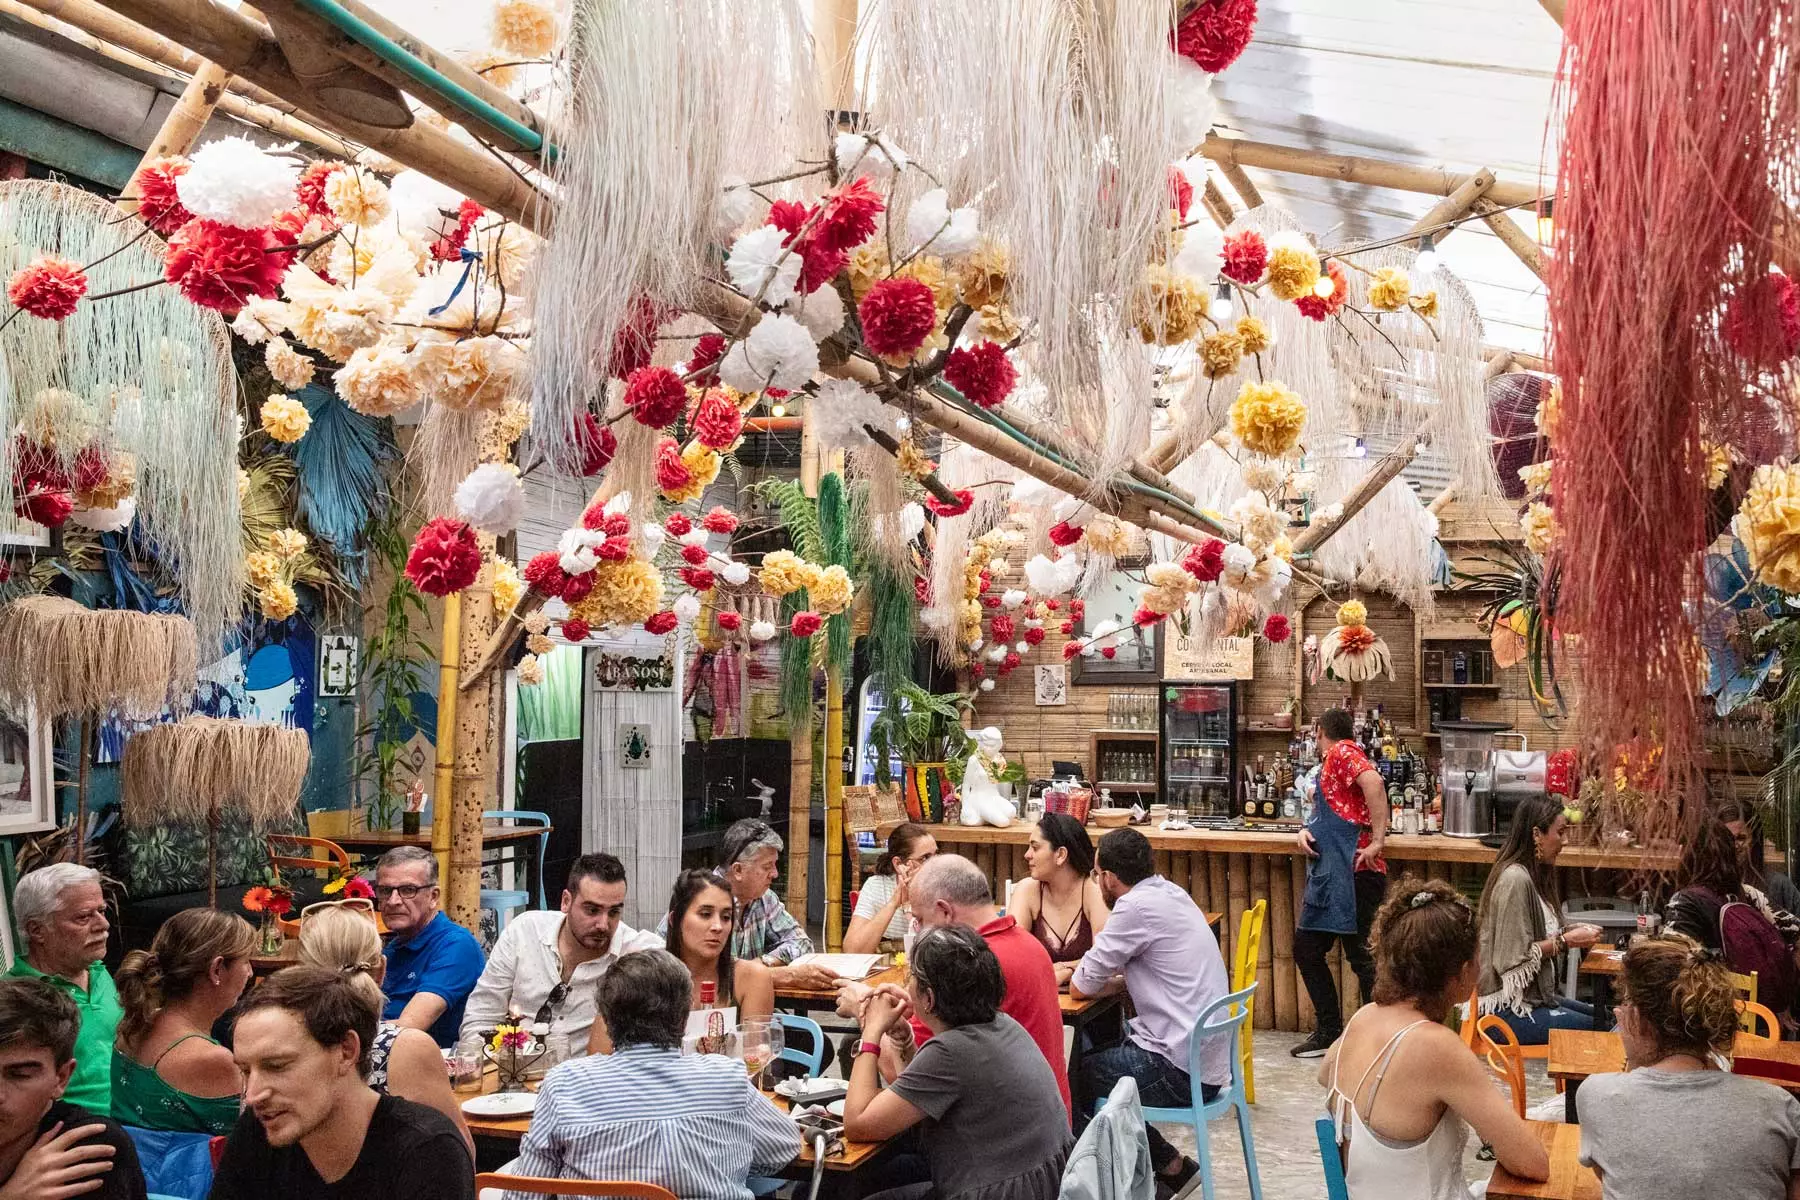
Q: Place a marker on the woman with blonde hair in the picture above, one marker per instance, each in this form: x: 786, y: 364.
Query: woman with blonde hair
x: 402, y: 1062
x: 167, y: 1072
x: 1675, y: 1123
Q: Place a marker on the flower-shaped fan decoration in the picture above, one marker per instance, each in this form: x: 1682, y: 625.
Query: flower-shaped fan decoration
x: 1352, y: 652
x: 1737, y: 611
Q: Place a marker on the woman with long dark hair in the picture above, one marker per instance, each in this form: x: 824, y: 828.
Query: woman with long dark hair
x: 1061, y: 902
x: 883, y: 914
x: 1522, y: 935
x: 1713, y: 873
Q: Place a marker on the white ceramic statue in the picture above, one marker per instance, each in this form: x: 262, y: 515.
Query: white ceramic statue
x: 982, y: 803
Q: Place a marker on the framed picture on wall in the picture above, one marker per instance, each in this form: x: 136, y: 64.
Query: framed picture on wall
x: 27, y: 774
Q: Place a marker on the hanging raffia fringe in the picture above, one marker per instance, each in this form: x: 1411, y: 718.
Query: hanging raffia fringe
x: 188, y: 770
x: 69, y: 660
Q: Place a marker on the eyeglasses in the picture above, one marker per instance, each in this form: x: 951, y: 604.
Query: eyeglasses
x: 547, y: 1011
x: 406, y: 891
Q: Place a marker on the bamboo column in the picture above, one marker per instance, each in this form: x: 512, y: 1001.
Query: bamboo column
x: 183, y: 124
x: 1264, y: 1017
x: 800, y: 741
x: 1305, y: 1020
x: 835, y: 847
x: 1456, y: 204
x: 1508, y: 231
x: 475, y: 746
x: 444, y: 774
x: 1237, y: 875
x: 1281, y: 939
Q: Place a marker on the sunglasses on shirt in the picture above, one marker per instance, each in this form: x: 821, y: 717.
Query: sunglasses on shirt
x: 553, y: 1003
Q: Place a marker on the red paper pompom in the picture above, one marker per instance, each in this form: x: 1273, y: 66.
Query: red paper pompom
x: 849, y: 217
x: 806, y: 622
x: 671, y: 473
x: 159, y: 206
x: 990, y: 602
x: 616, y: 524
x: 5, y: 570
x: 616, y: 548
x: 1034, y: 636
x: 1205, y: 562
x: 1011, y: 661
x: 977, y: 670
x: 1181, y: 192
x: 576, y: 587
x: 698, y: 578
x: 575, y: 629
x: 1319, y: 308
x: 717, y: 421
x: 897, y: 316
x: 1145, y: 617
x: 1070, y: 650
x: 544, y: 574
x: 1064, y: 534
x: 445, y: 558
x: 985, y: 580
x: 1276, y: 628
x: 694, y: 556
x: 921, y: 589
x: 965, y: 500
x: 1215, y: 33
x: 1002, y: 628
x: 1053, y: 604
x: 984, y: 373
x: 593, y: 516
x: 45, y: 506
x: 1078, y: 608
x: 597, y: 443
x: 634, y: 343
x: 660, y: 623
x: 655, y: 396
x: 789, y: 216
x: 221, y: 266
x: 90, y: 469
x: 1066, y: 628
x: 448, y: 248
x: 1244, y: 257
x: 310, y: 191
x: 678, y: 523
x: 48, y: 287
x: 719, y: 519
x: 703, y: 362
x: 729, y: 620
x: 1109, y: 652
x: 819, y: 262
x: 1762, y: 322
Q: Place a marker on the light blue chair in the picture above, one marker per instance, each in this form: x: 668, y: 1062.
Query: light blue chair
x: 1331, y: 1158
x: 814, y: 1062
x: 175, y: 1165
x: 504, y: 900
x: 1223, y: 1018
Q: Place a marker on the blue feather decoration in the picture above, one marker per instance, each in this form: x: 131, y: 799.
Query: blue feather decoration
x: 342, y: 488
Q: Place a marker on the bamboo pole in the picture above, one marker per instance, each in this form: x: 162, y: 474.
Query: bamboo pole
x: 82, y: 771
x: 1385, y: 470
x: 1263, y: 1016
x: 1200, y: 881
x: 1281, y: 937
x: 1508, y: 231
x: 1216, y: 204
x: 1305, y: 1020
x: 347, y: 89
x: 444, y: 775
x: 1181, y: 868
x: 182, y: 124
x: 1237, y: 876
x: 1443, y: 499
x: 800, y: 728
x: 1496, y: 364
x: 1557, y: 9
x: 1242, y: 184
x: 1218, y: 889
x: 1350, y: 168
x: 475, y: 741
x: 1161, y: 863
x: 834, y: 36
x: 1456, y: 205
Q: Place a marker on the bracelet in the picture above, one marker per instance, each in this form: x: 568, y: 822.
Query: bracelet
x: 869, y: 1048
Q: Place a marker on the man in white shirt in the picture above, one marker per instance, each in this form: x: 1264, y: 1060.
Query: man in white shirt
x: 545, y: 965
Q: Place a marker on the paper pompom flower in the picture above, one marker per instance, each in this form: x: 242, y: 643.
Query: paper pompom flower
x: 701, y: 467
x: 1220, y: 353
x: 285, y: 419
x: 286, y: 544
x: 236, y: 182
x: 1267, y: 418
x: 544, y: 574
x: 260, y: 567
x: 1001, y: 628
x: 310, y: 191
x: 1539, y: 526
x: 491, y: 498
x: 1768, y: 523
x: 48, y: 287
x: 378, y: 381
x: 277, y: 601
x: 849, y: 216
x: 1762, y: 321
x: 805, y: 623
x: 1205, y: 562
x: 509, y: 589
x: 525, y: 28
x: 719, y: 520
x: 672, y: 474
x: 1276, y: 628
x: 530, y: 670
x: 708, y: 350
x: 597, y: 443
x: 783, y: 572
x: 356, y: 197
x: 694, y: 556
x: 655, y: 396
x: 1390, y: 289
x: 1109, y: 652
x: 660, y: 623
x: 1353, y: 612
x: 1253, y: 335
x: 760, y: 265
x: 677, y: 523
x: 1293, y: 266
x: 445, y: 557
x: 779, y: 353
x: 1318, y: 308
x: 1064, y: 534
x: 984, y: 374
x: 897, y: 316
x: 290, y: 368
x: 574, y: 629
x: 698, y: 578
x: 717, y: 421
x: 634, y: 342
x: 1167, y: 306
x: 221, y: 266
x: 728, y: 620
x: 1181, y: 192
x: 831, y: 590
x: 1245, y: 257
x: 949, y: 232
x: 158, y: 203
x: 1215, y: 33
x: 965, y: 500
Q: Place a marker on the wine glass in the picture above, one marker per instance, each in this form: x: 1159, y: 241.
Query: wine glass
x: 759, y: 1044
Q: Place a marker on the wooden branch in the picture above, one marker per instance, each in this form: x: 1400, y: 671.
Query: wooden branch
x: 1242, y: 184
x: 1216, y: 204
x: 1443, y: 499
x: 346, y: 89
x: 1349, y: 168
x: 182, y: 124
x: 1456, y: 204
x: 929, y: 481
x: 1508, y: 231
x: 1383, y: 472
x: 1497, y: 364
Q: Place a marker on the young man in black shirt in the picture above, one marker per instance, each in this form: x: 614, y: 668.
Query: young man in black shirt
x: 49, y: 1148
x: 311, y: 1128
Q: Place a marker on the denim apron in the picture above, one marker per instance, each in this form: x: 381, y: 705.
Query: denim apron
x: 1329, y: 905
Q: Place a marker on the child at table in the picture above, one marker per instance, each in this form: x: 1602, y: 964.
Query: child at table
x: 1674, y: 1125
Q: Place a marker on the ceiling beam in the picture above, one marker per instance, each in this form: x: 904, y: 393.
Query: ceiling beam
x: 1242, y: 184
x: 1216, y: 204
x: 1508, y: 231
x: 1455, y: 206
x: 1380, y: 475
x: 1557, y: 9
x: 1373, y: 172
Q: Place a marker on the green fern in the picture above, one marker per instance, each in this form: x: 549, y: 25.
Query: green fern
x: 834, y: 524
x: 799, y: 516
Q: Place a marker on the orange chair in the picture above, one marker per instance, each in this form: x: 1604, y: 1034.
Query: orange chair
x: 1754, y: 1019
x: 573, y: 1187
x: 286, y: 851
x: 1504, y: 1055
x: 1470, y: 1039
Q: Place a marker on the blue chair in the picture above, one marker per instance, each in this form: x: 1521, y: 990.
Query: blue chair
x: 1331, y: 1158
x: 504, y: 900
x: 814, y: 1062
x: 176, y: 1165
x: 1224, y: 1018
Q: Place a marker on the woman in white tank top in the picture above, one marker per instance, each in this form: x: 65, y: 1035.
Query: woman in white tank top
x: 1405, y: 1141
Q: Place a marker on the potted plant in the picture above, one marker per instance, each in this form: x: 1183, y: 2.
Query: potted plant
x: 926, y: 729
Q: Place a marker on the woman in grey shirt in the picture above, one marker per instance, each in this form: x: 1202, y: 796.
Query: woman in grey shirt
x: 1674, y: 1126
x: 990, y: 1115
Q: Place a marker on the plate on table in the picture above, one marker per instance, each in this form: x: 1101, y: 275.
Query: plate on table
x: 836, y: 1109
x: 501, y: 1104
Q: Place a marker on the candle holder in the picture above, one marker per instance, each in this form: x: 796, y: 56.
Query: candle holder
x: 513, y: 1051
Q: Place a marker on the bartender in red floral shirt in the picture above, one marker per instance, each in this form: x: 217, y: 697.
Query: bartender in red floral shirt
x: 1346, y: 879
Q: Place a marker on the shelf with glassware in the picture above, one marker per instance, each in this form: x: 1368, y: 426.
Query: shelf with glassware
x: 1124, y: 760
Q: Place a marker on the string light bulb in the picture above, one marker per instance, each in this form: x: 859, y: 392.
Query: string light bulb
x: 778, y: 409
x: 1428, y: 261
x: 1220, y: 309
x: 1326, y: 284
x: 1360, y: 449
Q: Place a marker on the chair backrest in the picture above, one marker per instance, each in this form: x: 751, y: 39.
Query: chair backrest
x: 1744, y: 986
x: 287, y: 851
x: 572, y: 1187
x: 813, y: 1061
x: 1758, y: 1020
x: 1249, y: 945
x: 1224, y: 1017
x: 1500, y: 1046
x: 1470, y: 1037
x: 519, y: 816
x: 175, y: 1164
x: 1097, y: 1165
x: 1331, y: 1159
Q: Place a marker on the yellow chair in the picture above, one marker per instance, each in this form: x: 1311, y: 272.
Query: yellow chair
x: 1744, y: 986
x: 1758, y: 1020
x: 1243, y: 974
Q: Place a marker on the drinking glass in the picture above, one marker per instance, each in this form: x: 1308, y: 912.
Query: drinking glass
x: 466, y: 1063
x: 759, y: 1042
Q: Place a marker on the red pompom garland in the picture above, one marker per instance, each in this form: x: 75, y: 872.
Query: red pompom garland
x: 445, y: 558
x: 849, y: 217
x: 702, y: 367
x: 311, y: 189
x: 717, y: 422
x: 221, y: 266
x: 544, y: 574
x: 671, y: 473
x: 1064, y: 534
x: 805, y: 623
x: 1276, y: 628
x: 1245, y: 257
x: 984, y: 373
x: 597, y: 443
x: 158, y: 204
x: 965, y: 500
x: 694, y: 556
x: 660, y: 623
x: 897, y: 316
x: 1215, y: 33
x: 655, y: 396
x: 48, y: 287
x: 698, y: 578
x: 729, y: 620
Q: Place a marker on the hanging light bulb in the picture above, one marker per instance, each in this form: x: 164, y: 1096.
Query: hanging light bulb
x: 1360, y: 449
x: 1326, y: 284
x: 1220, y: 309
x: 778, y: 409
x: 1546, y: 226
x: 1427, y: 263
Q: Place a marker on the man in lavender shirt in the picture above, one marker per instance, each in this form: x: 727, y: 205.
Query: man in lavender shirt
x: 1156, y: 946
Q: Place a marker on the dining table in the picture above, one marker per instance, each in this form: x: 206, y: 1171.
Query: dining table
x: 1569, y: 1180
x: 1575, y: 1054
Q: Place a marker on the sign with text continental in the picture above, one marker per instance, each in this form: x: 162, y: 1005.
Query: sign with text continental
x: 1193, y: 658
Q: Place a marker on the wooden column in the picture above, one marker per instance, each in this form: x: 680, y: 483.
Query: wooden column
x: 449, y: 694
x: 1281, y: 938
x: 476, y: 744
x: 800, y: 755
x: 1241, y: 184
x: 1508, y: 231
x: 1305, y: 1020
x: 1456, y: 204
x: 1265, y: 951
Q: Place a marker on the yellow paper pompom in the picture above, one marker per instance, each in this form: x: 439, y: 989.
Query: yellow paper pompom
x: 912, y: 461
x: 1293, y: 266
x: 1390, y: 289
x: 999, y: 323
x: 1220, y: 353
x: 982, y: 278
x: 1768, y: 523
x: 1353, y: 612
x: 703, y: 468
x: 1106, y: 535
x: 1536, y: 476
x: 356, y: 197
x: 1282, y: 548
x: 830, y: 591
x: 1167, y: 307
x: 525, y: 28
x: 261, y: 568
x: 1718, y: 465
x: 1425, y: 304
x: 1170, y: 577
x: 782, y: 572
x: 868, y: 264
x: 286, y: 543
x: 1254, y: 335
x: 929, y: 270
x: 1545, y: 416
x: 1267, y: 418
x: 277, y: 601
x: 285, y: 419
x: 509, y: 588
x: 624, y: 593
x: 1539, y: 524
x: 1162, y: 601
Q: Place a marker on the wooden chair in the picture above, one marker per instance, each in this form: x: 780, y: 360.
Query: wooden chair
x: 1471, y: 1038
x: 1754, y: 1019
x: 573, y: 1187
x: 1744, y: 986
x: 1243, y: 975
x: 1502, y: 1051
x: 288, y: 851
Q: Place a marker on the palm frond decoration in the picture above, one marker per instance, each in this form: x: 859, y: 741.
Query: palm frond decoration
x: 268, y: 507
x: 342, y: 487
x: 1525, y: 591
x: 834, y: 526
x: 799, y: 516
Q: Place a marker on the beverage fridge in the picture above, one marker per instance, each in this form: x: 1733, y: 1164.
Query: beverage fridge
x: 1199, y: 749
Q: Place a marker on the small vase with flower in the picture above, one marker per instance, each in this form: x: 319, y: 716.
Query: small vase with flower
x: 272, y: 902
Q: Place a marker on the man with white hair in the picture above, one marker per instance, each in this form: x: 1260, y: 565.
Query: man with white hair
x: 62, y: 913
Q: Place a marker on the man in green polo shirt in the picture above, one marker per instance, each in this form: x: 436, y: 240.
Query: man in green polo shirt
x: 62, y: 913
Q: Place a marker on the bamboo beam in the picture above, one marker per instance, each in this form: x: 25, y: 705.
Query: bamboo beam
x: 834, y: 35
x: 1497, y: 364
x: 1386, y: 469
x: 1456, y: 205
x: 1557, y: 9
x: 476, y: 740
x: 1350, y: 168
x: 1437, y: 506
x: 1509, y: 232
x: 1242, y: 184
x: 182, y: 124
x: 444, y: 770
x: 1217, y: 204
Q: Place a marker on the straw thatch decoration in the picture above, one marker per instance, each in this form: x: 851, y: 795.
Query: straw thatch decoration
x: 191, y: 770
x: 146, y: 374
x: 75, y: 661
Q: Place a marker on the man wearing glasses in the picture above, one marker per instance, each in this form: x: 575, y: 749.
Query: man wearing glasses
x: 546, y: 965
x: 432, y: 962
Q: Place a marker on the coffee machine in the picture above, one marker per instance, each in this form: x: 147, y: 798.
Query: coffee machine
x: 1518, y: 775
x: 1467, y: 778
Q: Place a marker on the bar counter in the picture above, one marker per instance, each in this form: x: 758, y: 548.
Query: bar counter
x: 1229, y: 870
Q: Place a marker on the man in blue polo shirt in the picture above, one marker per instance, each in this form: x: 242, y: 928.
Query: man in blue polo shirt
x: 432, y: 962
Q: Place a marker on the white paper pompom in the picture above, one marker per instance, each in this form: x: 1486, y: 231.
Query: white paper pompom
x: 949, y: 233
x: 1239, y: 558
x: 1088, y: 649
x: 620, y: 503
x: 653, y: 535
x: 1187, y: 94
x: 421, y: 204
x: 987, y: 685
x: 821, y: 311
x: 1023, y: 647
x: 236, y: 182
x: 491, y: 498
x: 1012, y: 598
x: 736, y: 204
x: 736, y: 574
x: 695, y: 537
x: 761, y: 631
x: 842, y: 408
x: 778, y: 353
x: 686, y: 608
x: 1106, y: 628
x: 106, y: 520
x: 877, y: 157
x: 995, y: 654
x: 975, y: 645
x: 574, y: 555
x: 758, y: 262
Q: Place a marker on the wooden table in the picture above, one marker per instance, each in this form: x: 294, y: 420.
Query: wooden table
x: 1577, y: 1053
x: 268, y: 964
x: 1605, y: 967
x: 379, y: 841
x: 1569, y: 1180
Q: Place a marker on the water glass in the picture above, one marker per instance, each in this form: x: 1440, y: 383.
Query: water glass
x: 466, y: 1064
x: 759, y: 1043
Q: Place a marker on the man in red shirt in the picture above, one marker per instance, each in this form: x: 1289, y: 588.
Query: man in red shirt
x: 951, y: 890
x: 1346, y: 880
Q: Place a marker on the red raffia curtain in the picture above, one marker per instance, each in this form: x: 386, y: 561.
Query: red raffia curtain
x: 1679, y: 120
